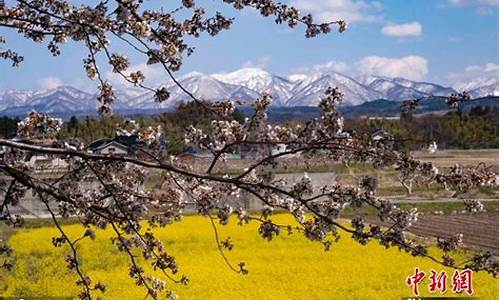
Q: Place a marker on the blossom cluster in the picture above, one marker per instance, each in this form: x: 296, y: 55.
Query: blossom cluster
x: 38, y: 125
x: 111, y: 191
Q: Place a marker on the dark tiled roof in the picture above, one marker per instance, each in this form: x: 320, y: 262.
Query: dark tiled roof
x: 127, y: 142
x: 98, y: 143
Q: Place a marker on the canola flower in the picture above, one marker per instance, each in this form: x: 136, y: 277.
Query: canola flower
x: 290, y: 267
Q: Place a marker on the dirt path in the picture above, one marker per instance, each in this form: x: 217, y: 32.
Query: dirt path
x: 480, y: 230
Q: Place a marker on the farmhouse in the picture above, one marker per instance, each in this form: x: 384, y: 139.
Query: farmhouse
x: 280, y: 149
x: 120, y: 145
x: 381, y: 135
x: 41, y: 162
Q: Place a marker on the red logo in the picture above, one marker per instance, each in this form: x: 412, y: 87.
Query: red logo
x: 461, y: 281
x: 438, y: 282
x: 415, y: 280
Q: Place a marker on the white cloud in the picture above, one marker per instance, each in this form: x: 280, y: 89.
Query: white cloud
x: 473, y: 68
x: 484, y: 11
x: 473, y: 2
x: 413, y: 29
x: 491, y: 67
x: 49, y: 82
x: 84, y: 84
x: 261, y: 62
x: 474, y: 76
x: 153, y: 73
x: 482, y: 7
x: 411, y: 67
x: 333, y: 65
x: 332, y: 10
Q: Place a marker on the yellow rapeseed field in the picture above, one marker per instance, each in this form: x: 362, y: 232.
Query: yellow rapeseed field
x: 289, y: 267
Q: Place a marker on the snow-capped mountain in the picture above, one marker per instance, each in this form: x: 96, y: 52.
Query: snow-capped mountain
x: 13, y: 98
x: 368, y: 79
x: 253, y: 78
x: 424, y: 87
x: 244, y: 86
x: 393, y: 90
x: 303, y: 80
x: 354, y: 92
x: 486, y: 90
x: 401, y: 89
x: 58, y: 100
x: 244, y: 94
x: 201, y: 86
x: 480, y: 87
x: 281, y: 89
x: 475, y: 83
x: 258, y: 80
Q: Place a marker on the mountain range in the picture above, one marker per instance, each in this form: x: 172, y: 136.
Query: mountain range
x: 244, y: 85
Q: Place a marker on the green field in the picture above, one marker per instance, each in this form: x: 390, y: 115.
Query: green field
x: 289, y: 267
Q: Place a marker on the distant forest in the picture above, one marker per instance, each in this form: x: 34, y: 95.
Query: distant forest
x: 473, y: 129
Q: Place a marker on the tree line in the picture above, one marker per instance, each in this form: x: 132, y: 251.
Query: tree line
x: 475, y: 129
x: 89, y: 129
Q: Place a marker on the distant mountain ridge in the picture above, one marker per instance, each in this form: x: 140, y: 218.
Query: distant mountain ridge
x: 376, y: 108
x: 243, y: 85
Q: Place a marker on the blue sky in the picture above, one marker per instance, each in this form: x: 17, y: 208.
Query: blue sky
x: 444, y: 41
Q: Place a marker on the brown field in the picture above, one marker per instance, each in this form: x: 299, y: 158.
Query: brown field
x: 448, y: 158
x: 480, y: 231
x: 442, y: 159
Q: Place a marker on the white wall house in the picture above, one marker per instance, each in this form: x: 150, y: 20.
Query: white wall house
x: 281, y: 148
x: 111, y: 148
x: 120, y: 145
x: 44, y: 163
